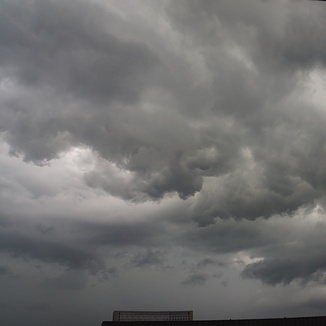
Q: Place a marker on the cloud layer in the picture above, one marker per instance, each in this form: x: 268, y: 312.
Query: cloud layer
x: 172, y: 147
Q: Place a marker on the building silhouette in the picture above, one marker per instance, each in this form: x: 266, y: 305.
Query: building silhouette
x: 152, y: 315
x: 185, y: 318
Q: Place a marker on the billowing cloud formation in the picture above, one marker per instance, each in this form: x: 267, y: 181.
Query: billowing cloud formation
x: 172, y: 146
x: 215, y: 111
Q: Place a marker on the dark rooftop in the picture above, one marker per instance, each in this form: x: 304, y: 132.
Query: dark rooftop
x: 297, y: 321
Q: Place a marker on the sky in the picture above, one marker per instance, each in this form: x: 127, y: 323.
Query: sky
x: 162, y: 155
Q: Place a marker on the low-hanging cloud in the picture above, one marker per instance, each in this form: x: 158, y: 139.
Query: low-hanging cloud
x: 179, y: 144
x: 73, y: 74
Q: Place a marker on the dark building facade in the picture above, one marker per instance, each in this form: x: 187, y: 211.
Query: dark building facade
x: 299, y: 321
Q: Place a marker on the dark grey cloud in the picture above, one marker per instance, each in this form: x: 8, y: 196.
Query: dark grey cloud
x: 5, y: 271
x: 288, y: 39
x: 121, y: 234
x: 195, y: 279
x: 58, y: 50
x: 227, y: 236
x: 317, y: 303
x: 284, y: 249
x: 69, y: 47
x: 206, y: 262
x: 275, y: 271
x: 161, y: 147
x: 295, y: 254
x: 28, y: 245
x: 204, y: 270
x: 302, y: 261
x: 74, y: 74
x: 148, y: 258
x: 69, y: 280
x: 256, y: 101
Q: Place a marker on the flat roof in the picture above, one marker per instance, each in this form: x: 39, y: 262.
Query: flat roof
x: 169, y: 315
x: 292, y: 321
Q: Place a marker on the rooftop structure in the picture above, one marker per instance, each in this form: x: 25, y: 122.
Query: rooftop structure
x: 153, y: 319
x: 152, y: 316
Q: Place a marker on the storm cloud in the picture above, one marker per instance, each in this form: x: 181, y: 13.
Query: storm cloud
x: 162, y: 146
x: 227, y: 97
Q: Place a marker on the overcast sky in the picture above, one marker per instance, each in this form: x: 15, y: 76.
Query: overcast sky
x: 162, y: 155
